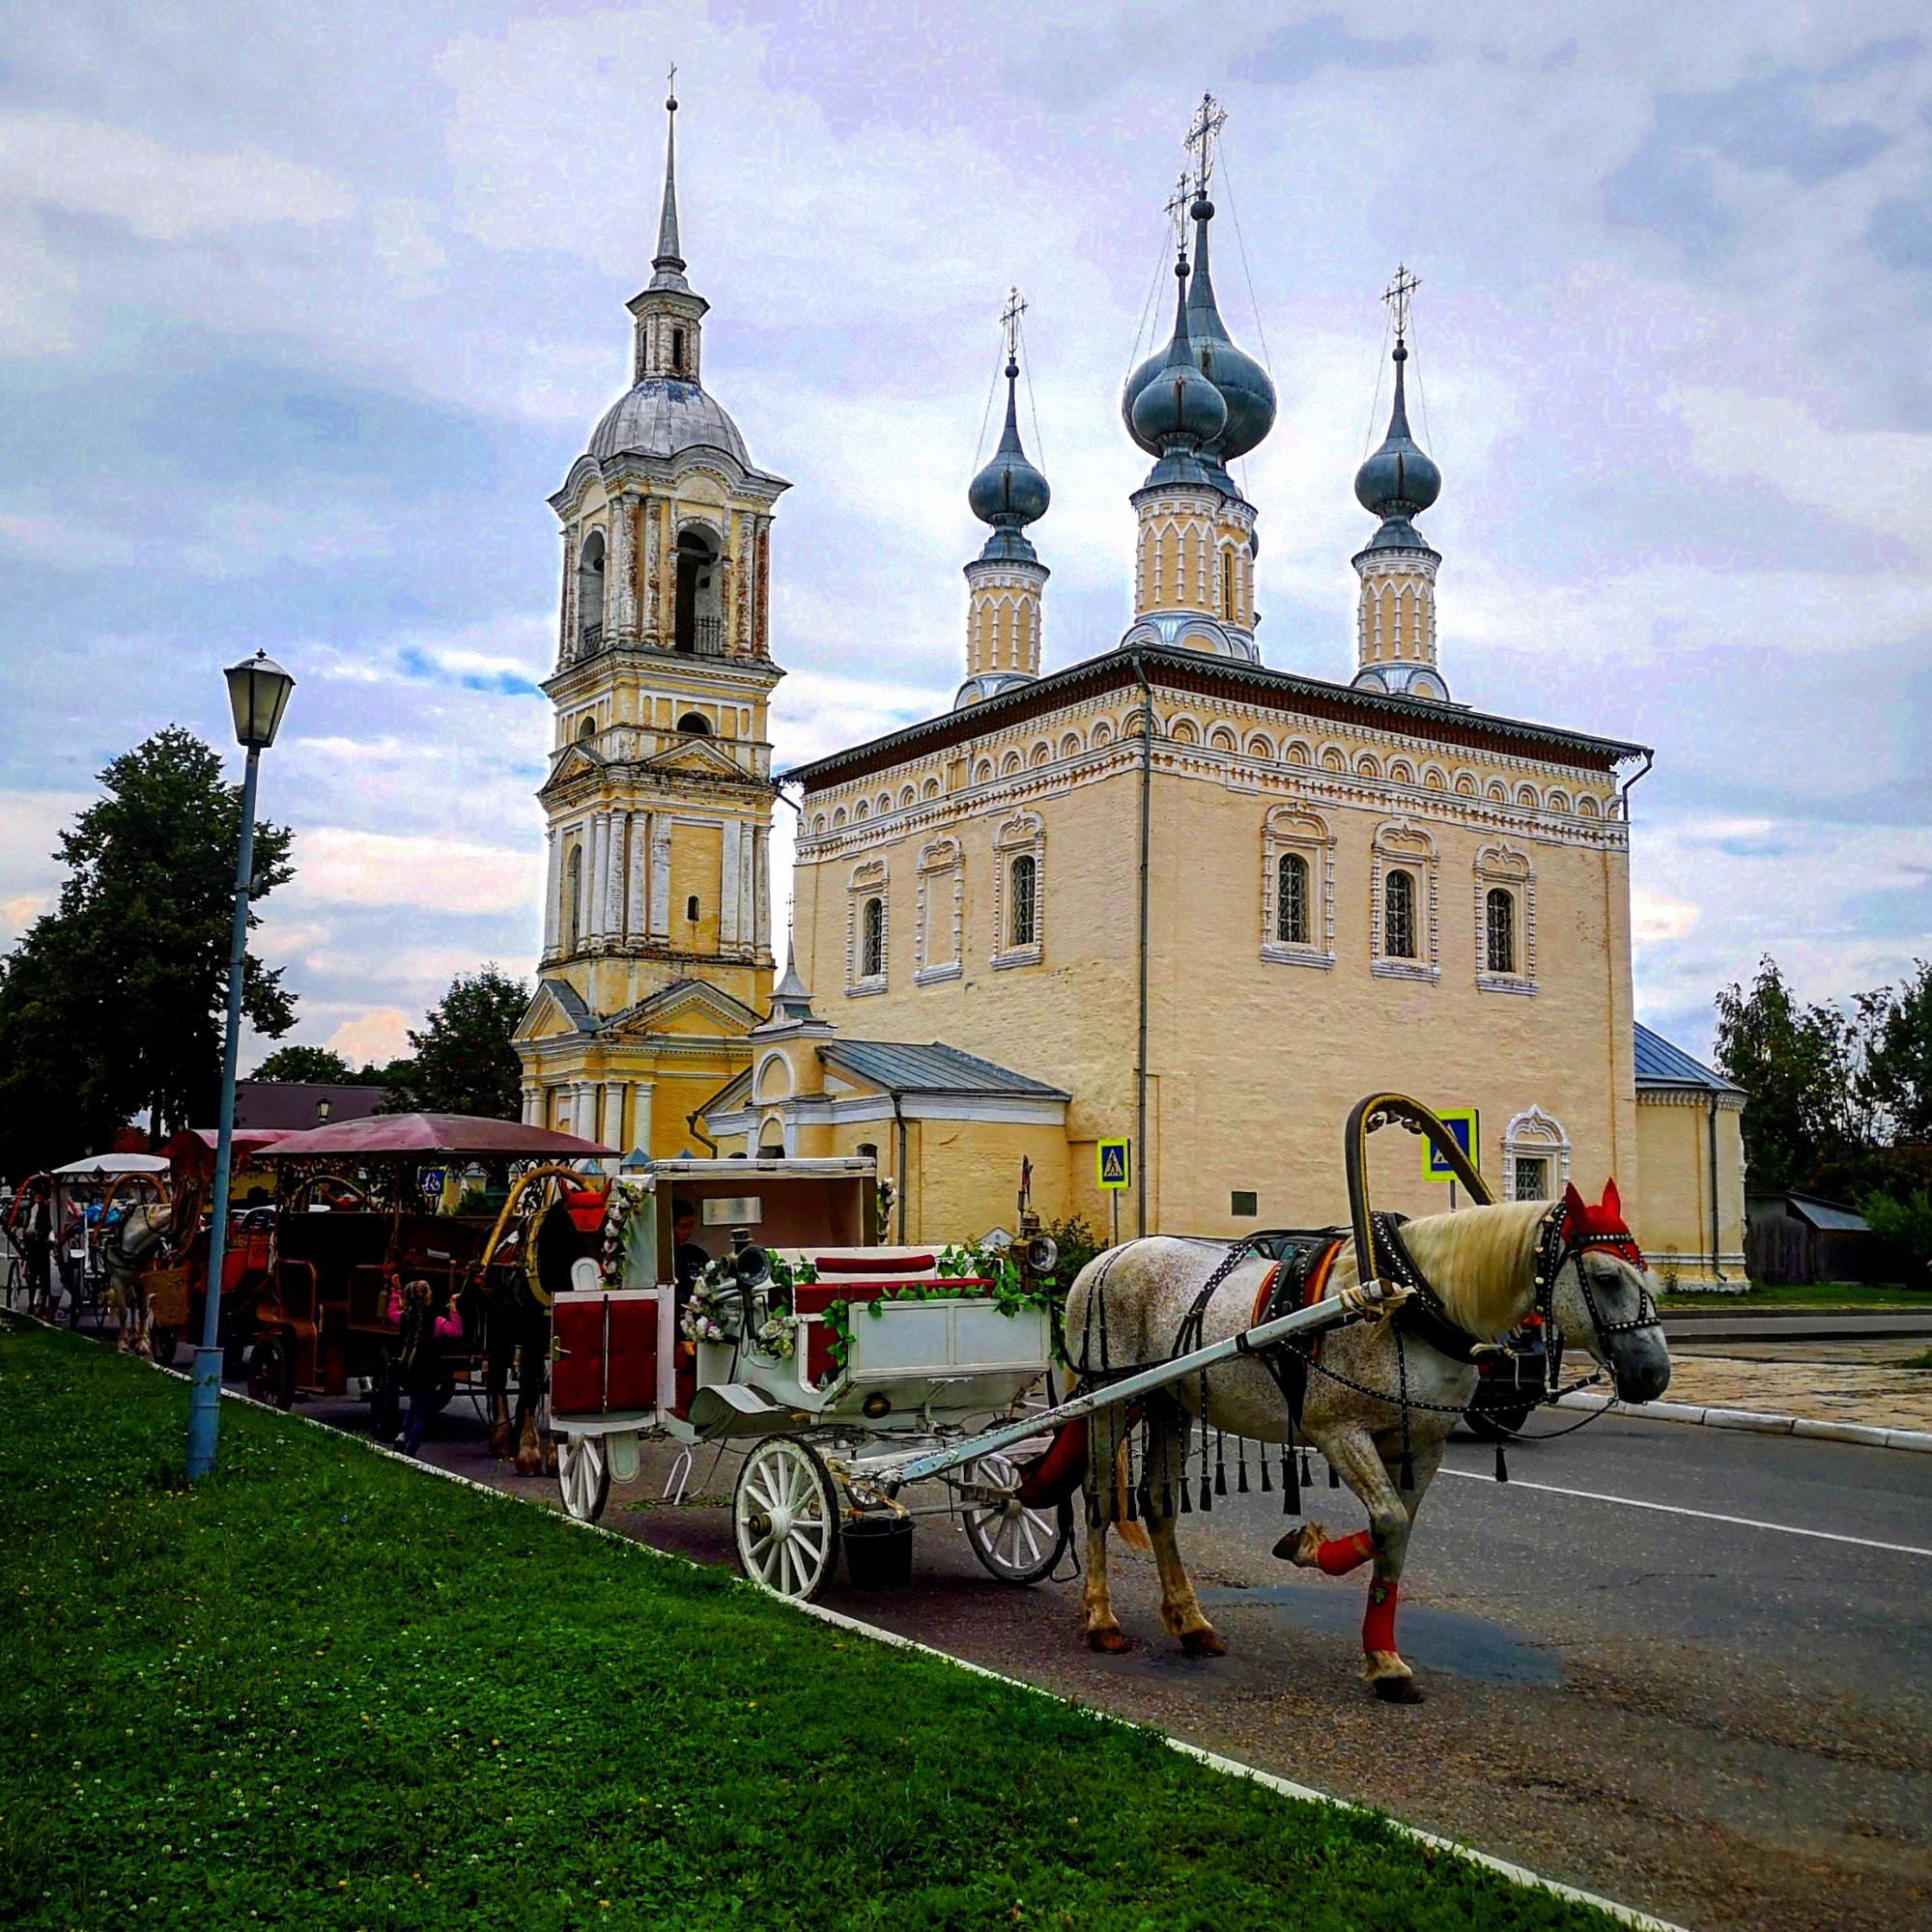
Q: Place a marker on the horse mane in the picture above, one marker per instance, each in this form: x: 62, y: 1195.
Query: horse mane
x: 1479, y: 1261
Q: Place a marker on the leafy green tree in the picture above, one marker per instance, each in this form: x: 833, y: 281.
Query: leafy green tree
x: 1793, y: 1063
x: 464, y: 1060
x: 111, y: 1004
x: 300, y: 1064
x: 1898, y: 1059
x: 1904, y: 1222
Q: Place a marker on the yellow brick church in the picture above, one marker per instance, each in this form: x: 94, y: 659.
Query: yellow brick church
x: 1162, y: 892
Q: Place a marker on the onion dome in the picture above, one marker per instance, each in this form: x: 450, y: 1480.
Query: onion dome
x: 1178, y: 410
x: 1009, y: 492
x: 1246, y: 390
x: 1399, y: 481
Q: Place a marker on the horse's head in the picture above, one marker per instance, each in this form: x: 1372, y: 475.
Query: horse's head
x: 1604, y: 1297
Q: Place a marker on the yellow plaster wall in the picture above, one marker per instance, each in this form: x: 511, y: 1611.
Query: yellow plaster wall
x: 1670, y: 1211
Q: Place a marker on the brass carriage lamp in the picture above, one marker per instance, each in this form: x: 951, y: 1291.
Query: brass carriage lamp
x: 258, y: 694
x: 322, y: 1108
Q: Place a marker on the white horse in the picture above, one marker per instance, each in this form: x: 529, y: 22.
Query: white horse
x: 125, y: 1253
x: 1484, y: 1265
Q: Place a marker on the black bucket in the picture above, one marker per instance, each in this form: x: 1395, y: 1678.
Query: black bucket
x: 878, y: 1553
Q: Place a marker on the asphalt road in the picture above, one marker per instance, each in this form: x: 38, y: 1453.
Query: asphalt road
x: 1714, y: 1705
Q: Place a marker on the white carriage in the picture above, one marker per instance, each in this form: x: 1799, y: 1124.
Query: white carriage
x: 832, y: 1359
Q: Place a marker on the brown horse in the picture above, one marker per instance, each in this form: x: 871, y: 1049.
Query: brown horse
x: 1484, y: 1265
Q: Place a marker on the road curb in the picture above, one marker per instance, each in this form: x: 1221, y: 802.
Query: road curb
x: 1758, y: 1421
x: 1228, y: 1767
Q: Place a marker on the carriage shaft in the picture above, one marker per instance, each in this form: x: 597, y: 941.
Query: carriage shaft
x: 1351, y: 1305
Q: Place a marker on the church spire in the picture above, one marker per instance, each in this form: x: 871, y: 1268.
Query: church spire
x: 1395, y: 616
x: 667, y: 261
x: 1005, y: 580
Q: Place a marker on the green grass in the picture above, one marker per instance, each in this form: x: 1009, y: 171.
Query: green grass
x: 325, y: 1690
x: 1923, y: 1360
x: 1820, y: 1295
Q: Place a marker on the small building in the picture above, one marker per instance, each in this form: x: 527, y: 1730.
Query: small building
x: 1691, y: 1156
x: 292, y: 1106
x: 1802, y: 1238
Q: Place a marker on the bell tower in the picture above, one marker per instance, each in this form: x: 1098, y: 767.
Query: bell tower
x: 658, y: 800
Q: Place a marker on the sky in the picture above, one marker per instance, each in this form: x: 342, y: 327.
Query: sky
x: 305, y: 311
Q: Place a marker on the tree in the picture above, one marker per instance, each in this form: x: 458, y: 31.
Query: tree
x: 465, y: 1062
x: 1798, y: 1066
x: 305, y: 1064
x: 111, y: 1004
x: 1898, y: 1061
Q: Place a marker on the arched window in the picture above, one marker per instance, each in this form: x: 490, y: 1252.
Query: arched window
x: 695, y: 724
x: 872, y: 939
x: 677, y: 351
x: 586, y: 726
x: 1399, y: 915
x: 697, y: 626
x: 572, y: 899
x: 1025, y: 882
x: 1227, y: 586
x: 590, y: 593
x: 1290, y: 903
x: 1499, y: 930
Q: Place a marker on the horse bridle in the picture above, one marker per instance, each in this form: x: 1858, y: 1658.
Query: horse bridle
x: 1557, y: 1247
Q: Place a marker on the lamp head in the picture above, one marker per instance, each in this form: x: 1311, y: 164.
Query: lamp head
x: 258, y: 694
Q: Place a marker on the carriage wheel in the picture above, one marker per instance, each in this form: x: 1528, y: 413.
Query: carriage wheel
x: 784, y: 1517
x: 272, y: 1371
x: 584, y: 1475
x: 163, y: 1343
x: 1015, y: 1543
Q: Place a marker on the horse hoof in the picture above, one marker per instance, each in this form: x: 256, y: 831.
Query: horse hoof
x: 1301, y: 1547
x: 1112, y: 1641
x: 1202, y: 1642
x: 1396, y: 1689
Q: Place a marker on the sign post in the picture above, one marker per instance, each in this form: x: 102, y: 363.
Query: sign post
x: 1465, y: 1125
x: 1113, y: 1161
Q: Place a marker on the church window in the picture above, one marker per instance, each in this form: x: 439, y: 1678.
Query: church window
x: 587, y: 725
x: 1500, y: 933
x: 1399, y: 915
x: 697, y: 626
x: 1291, y: 904
x: 572, y: 899
x: 690, y: 908
x: 940, y: 912
x: 872, y: 939
x: 1536, y: 1157
x: 677, y: 351
x: 1227, y: 586
x: 1529, y: 1176
x: 694, y: 724
x: 867, y: 928
x: 1021, y: 927
x: 1505, y: 916
x: 590, y: 594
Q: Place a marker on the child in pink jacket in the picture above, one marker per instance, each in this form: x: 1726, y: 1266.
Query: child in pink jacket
x: 419, y: 1359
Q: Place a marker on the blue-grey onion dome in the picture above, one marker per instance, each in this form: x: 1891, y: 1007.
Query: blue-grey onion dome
x: 1178, y: 404
x: 1246, y: 390
x: 1009, y: 492
x: 1400, y: 479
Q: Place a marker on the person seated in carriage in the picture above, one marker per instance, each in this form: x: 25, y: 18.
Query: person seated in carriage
x: 688, y: 1260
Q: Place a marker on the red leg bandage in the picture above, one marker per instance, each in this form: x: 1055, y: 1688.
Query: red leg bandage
x: 1378, y: 1622
x: 1342, y: 1553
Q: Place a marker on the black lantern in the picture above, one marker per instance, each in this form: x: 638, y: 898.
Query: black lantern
x: 258, y: 693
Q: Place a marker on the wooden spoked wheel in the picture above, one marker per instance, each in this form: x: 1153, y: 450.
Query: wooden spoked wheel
x: 584, y: 1475
x: 1015, y: 1543
x: 272, y: 1371
x: 784, y: 1517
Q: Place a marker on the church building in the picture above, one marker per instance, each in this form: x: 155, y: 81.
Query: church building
x: 1163, y: 893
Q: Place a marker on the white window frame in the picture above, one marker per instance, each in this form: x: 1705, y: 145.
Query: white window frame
x: 1022, y: 836
x: 1401, y: 845
x: 1289, y: 829
x: 1508, y: 866
x: 1535, y: 1132
x: 939, y: 950
x: 868, y: 882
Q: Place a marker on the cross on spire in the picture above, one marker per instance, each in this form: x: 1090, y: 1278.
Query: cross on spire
x: 671, y: 88
x: 1177, y: 209
x: 1209, y: 118
x: 1009, y: 321
x: 1397, y: 295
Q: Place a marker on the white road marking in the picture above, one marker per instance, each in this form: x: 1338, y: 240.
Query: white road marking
x: 1704, y: 1515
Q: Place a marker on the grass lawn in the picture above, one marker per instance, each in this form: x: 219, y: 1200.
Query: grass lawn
x: 325, y: 1689
x: 1820, y: 1295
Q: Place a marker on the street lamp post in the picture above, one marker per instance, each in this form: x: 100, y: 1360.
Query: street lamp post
x: 258, y: 693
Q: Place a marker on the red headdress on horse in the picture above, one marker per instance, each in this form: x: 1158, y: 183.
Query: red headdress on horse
x: 1599, y: 1227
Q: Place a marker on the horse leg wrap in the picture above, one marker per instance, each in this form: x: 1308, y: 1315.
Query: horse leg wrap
x: 1378, y: 1621
x: 1342, y: 1553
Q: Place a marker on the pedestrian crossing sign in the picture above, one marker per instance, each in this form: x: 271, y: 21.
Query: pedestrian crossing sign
x: 1117, y: 1163
x: 1464, y: 1123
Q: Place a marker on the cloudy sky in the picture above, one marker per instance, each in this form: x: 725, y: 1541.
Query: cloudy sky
x: 303, y: 311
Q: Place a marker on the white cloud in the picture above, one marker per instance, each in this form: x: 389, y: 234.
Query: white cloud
x: 376, y: 1037
x: 377, y: 869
